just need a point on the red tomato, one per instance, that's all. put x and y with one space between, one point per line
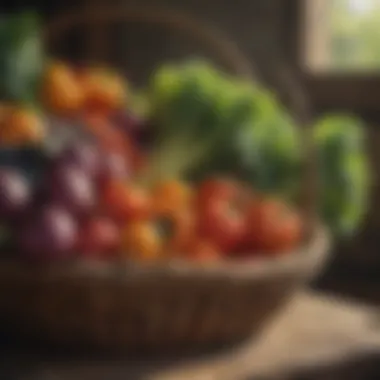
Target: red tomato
99 237
222 213
124 202
273 227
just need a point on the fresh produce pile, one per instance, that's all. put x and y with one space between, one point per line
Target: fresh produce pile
199 166
82 209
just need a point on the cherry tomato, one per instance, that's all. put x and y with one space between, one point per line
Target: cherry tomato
272 226
99 237
222 213
171 195
62 93
124 202
141 241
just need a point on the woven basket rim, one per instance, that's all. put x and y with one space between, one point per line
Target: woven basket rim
303 260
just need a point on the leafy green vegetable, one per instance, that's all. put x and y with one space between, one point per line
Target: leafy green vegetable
271 147
21 57
197 108
344 171
265 152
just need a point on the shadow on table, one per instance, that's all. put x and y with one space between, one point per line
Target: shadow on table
25 359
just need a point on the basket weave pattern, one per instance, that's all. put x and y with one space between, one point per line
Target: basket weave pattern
115 305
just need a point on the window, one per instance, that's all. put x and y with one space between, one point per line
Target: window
338 52
342 35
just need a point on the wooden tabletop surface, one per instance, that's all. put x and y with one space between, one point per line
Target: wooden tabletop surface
314 331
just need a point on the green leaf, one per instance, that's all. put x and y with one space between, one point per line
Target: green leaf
21 57
344 171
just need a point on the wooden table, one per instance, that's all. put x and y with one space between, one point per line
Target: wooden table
315 336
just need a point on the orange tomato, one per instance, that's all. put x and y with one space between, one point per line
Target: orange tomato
62 93
124 202
163 236
105 90
20 126
273 227
171 195
177 230
141 241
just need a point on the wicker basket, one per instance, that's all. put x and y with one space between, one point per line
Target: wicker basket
163 306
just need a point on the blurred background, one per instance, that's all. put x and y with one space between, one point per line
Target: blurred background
332 46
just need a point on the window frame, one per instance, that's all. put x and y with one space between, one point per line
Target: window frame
355 92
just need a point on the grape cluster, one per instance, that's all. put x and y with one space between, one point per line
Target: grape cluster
48 216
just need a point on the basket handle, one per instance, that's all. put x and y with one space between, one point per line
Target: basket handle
225 50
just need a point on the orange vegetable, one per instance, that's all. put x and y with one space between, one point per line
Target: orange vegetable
21 126
62 93
105 90
162 236
177 230
141 241
171 195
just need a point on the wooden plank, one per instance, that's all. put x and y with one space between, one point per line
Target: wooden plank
313 332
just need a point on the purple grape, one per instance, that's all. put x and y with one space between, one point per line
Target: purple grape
71 188
15 194
84 156
52 235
